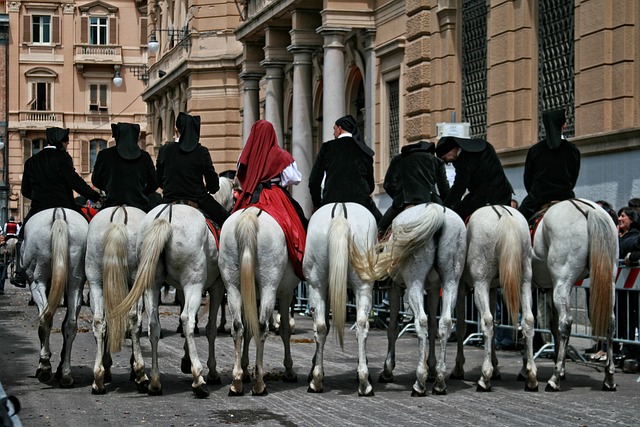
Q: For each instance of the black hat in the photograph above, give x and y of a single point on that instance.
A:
(126, 136)
(349, 124)
(56, 136)
(427, 146)
(447, 143)
(553, 121)
(189, 129)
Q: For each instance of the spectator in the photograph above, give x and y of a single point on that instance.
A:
(11, 228)
(626, 302)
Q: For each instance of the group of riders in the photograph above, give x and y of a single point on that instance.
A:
(342, 172)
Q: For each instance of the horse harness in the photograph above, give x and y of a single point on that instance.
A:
(126, 214)
(210, 225)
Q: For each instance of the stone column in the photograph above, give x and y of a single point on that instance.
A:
(302, 120)
(251, 97)
(332, 79)
(369, 87)
(274, 103)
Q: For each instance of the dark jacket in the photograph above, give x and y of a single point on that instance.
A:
(630, 244)
(50, 179)
(413, 175)
(349, 174)
(180, 174)
(551, 174)
(126, 182)
(481, 173)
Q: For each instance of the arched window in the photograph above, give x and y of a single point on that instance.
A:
(95, 145)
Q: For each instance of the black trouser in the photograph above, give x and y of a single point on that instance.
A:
(387, 218)
(213, 209)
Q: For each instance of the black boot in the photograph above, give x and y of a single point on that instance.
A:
(19, 279)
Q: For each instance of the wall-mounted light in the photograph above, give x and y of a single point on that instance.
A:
(181, 36)
(141, 71)
(117, 78)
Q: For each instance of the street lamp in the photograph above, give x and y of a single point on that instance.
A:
(181, 35)
(117, 79)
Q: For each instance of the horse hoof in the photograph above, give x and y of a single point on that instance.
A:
(481, 389)
(549, 387)
(370, 394)
(311, 390)
(153, 392)
(185, 365)
(44, 376)
(214, 380)
(606, 387)
(264, 392)
(521, 377)
(385, 380)
(438, 392)
(532, 389)
(97, 391)
(233, 393)
(457, 376)
(291, 379)
(143, 387)
(200, 392)
(415, 393)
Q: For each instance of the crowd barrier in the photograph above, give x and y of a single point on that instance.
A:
(627, 313)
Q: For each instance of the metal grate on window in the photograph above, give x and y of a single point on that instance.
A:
(555, 61)
(474, 66)
(393, 90)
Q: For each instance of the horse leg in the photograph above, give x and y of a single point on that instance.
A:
(244, 362)
(416, 301)
(386, 376)
(192, 301)
(285, 333)
(215, 299)
(481, 296)
(70, 329)
(609, 383)
(449, 295)
(529, 371)
(493, 301)
(151, 305)
(433, 300)
(565, 320)
(137, 366)
(461, 329)
(364, 297)
(237, 332)
(317, 302)
(223, 313)
(267, 304)
(99, 331)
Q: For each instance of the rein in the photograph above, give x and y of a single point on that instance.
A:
(168, 205)
(495, 209)
(126, 214)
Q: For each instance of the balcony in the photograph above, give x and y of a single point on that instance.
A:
(91, 54)
(40, 119)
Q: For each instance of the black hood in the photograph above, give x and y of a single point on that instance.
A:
(349, 124)
(553, 121)
(471, 145)
(189, 129)
(56, 136)
(422, 146)
(126, 136)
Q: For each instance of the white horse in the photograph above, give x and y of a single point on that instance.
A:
(253, 257)
(10, 260)
(175, 246)
(53, 258)
(424, 237)
(575, 239)
(337, 233)
(111, 265)
(498, 255)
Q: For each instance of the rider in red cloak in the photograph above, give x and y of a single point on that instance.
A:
(263, 170)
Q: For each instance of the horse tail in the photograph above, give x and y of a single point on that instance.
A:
(59, 267)
(510, 253)
(247, 240)
(405, 240)
(339, 239)
(115, 274)
(155, 239)
(603, 253)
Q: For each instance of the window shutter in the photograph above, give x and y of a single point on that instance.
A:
(55, 29)
(143, 31)
(113, 39)
(26, 30)
(84, 156)
(84, 30)
(26, 149)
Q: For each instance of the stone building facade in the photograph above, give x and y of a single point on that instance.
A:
(62, 58)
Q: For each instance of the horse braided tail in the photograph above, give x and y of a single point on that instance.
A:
(115, 274)
(405, 240)
(603, 253)
(510, 253)
(339, 242)
(247, 241)
(59, 267)
(155, 239)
